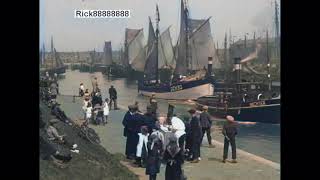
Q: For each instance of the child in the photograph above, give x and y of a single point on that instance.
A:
(142, 150)
(88, 112)
(81, 90)
(229, 131)
(173, 155)
(105, 110)
(154, 152)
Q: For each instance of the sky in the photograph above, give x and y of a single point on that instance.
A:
(70, 34)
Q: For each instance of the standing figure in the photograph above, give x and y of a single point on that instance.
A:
(178, 128)
(55, 77)
(149, 119)
(113, 97)
(173, 156)
(81, 90)
(106, 111)
(87, 94)
(155, 150)
(94, 84)
(206, 124)
(196, 134)
(142, 151)
(230, 131)
(131, 124)
(88, 112)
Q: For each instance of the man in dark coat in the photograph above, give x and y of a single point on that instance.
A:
(94, 100)
(196, 134)
(113, 97)
(188, 146)
(230, 131)
(206, 123)
(153, 104)
(149, 119)
(132, 123)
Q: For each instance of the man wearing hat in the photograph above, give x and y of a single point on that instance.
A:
(132, 124)
(150, 119)
(113, 97)
(206, 123)
(229, 131)
(196, 134)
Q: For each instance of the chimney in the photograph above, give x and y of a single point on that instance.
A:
(209, 66)
(237, 69)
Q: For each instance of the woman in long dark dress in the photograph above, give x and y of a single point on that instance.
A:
(154, 152)
(173, 155)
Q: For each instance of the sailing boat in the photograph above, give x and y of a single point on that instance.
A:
(187, 81)
(55, 65)
(101, 63)
(133, 58)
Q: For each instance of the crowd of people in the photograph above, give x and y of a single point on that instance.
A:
(152, 139)
(94, 108)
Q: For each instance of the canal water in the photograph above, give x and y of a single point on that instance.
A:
(259, 139)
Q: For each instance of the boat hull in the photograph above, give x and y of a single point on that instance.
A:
(264, 111)
(57, 70)
(179, 91)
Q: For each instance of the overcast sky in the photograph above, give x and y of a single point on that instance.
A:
(70, 34)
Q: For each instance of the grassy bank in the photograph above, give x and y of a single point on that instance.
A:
(93, 161)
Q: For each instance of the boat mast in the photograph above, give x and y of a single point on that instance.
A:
(277, 39)
(186, 16)
(157, 41)
(52, 52)
(268, 65)
(126, 55)
(225, 57)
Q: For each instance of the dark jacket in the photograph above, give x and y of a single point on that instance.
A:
(150, 121)
(205, 120)
(230, 129)
(196, 131)
(153, 160)
(174, 163)
(113, 93)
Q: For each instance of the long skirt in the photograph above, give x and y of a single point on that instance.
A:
(131, 144)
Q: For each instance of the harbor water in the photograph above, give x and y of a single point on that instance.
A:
(259, 139)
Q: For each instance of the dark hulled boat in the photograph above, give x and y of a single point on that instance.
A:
(246, 101)
(249, 105)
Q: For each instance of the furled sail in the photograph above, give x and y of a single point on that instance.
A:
(107, 53)
(202, 45)
(136, 52)
(165, 48)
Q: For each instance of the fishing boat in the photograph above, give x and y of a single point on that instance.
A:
(194, 52)
(54, 64)
(133, 57)
(246, 101)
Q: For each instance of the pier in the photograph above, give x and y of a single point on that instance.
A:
(249, 166)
